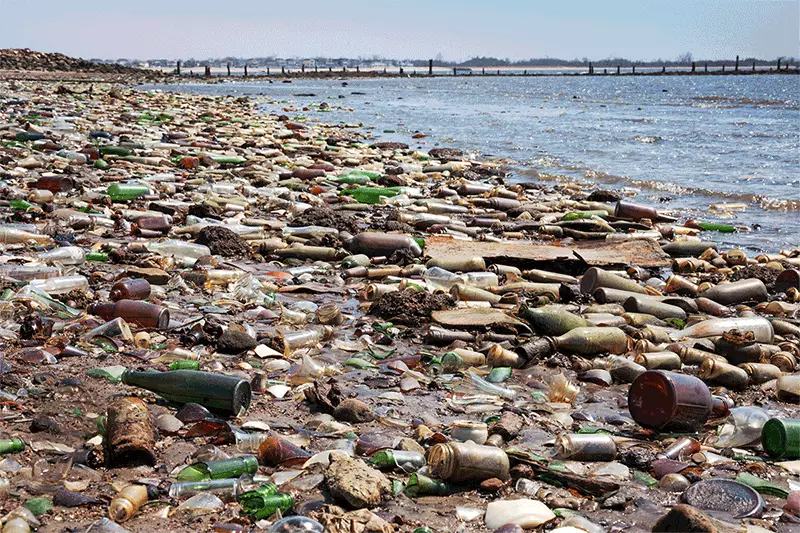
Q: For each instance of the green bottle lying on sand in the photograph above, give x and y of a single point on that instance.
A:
(226, 468)
(215, 391)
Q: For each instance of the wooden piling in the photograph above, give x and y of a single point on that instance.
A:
(483, 71)
(430, 67)
(302, 68)
(737, 64)
(633, 69)
(229, 68)
(706, 67)
(245, 71)
(178, 69)
(754, 66)
(663, 69)
(779, 63)
(283, 70)
(618, 69)
(694, 66)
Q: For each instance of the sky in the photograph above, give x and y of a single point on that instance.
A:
(398, 29)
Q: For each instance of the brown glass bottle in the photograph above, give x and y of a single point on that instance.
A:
(275, 451)
(130, 289)
(144, 314)
(667, 401)
(155, 224)
(55, 183)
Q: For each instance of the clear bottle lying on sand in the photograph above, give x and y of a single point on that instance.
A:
(761, 328)
(227, 489)
(16, 236)
(61, 284)
(65, 255)
(465, 461)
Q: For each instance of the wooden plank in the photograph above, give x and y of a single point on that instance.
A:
(641, 252)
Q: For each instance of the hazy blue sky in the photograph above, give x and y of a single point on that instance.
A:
(639, 29)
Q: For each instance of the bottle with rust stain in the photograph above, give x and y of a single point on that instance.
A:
(465, 461)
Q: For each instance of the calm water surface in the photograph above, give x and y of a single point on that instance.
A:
(682, 142)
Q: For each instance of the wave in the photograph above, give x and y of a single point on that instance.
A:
(593, 176)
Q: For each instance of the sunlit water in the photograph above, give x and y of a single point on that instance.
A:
(682, 142)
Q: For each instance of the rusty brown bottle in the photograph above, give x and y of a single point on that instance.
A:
(55, 183)
(144, 314)
(130, 289)
(129, 435)
(667, 401)
(152, 224)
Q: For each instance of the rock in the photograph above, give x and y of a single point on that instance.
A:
(353, 482)
(492, 485)
(686, 519)
(410, 445)
(673, 483)
(168, 424)
(446, 154)
(235, 342)
(155, 276)
(389, 146)
(353, 410)
(604, 196)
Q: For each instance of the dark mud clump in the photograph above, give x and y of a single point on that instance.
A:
(327, 218)
(402, 257)
(409, 307)
(77, 298)
(204, 211)
(765, 274)
(604, 196)
(235, 342)
(446, 154)
(222, 241)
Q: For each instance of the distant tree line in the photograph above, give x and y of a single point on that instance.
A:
(685, 59)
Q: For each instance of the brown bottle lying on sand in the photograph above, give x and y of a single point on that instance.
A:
(144, 314)
(130, 289)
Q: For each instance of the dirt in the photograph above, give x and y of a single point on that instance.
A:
(222, 241)
(765, 274)
(410, 307)
(327, 218)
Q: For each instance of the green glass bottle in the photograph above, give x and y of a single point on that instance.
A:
(115, 150)
(122, 192)
(101, 164)
(24, 136)
(12, 445)
(227, 468)
(710, 226)
(228, 159)
(373, 195)
(97, 256)
(419, 485)
(20, 205)
(184, 364)
(780, 438)
(580, 215)
(214, 391)
(351, 179)
(406, 460)
(264, 502)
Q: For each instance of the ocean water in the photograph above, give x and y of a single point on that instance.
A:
(682, 143)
